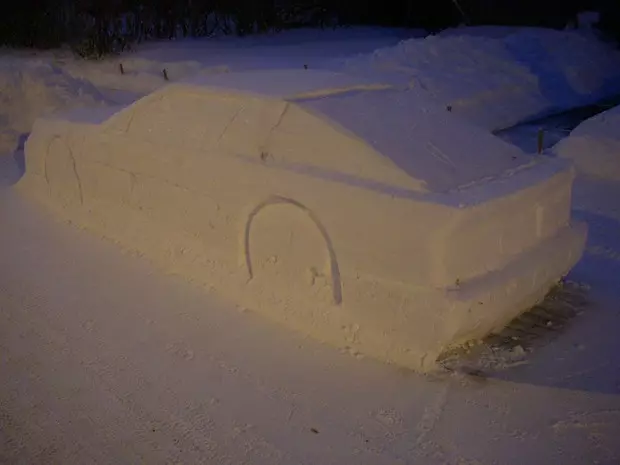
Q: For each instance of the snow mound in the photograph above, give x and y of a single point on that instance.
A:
(29, 89)
(498, 77)
(594, 145)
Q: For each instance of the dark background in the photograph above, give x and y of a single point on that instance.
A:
(97, 27)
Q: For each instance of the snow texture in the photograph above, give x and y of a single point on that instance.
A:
(594, 145)
(105, 360)
(498, 81)
(32, 88)
(288, 170)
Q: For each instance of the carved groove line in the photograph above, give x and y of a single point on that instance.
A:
(333, 262)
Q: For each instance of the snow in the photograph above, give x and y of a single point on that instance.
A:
(299, 162)
(122, 364)
(31, 88)
(373, 113)
(105, 359)
(594, 145)
(138, 75)
(492, 76)
(184, 58)
(498, 77)
(290, 49)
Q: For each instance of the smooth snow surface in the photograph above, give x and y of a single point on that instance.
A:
(594, 145)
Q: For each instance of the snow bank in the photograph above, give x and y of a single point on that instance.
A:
(498, 77)
(334, 205)
(594, 145)
(32, 88)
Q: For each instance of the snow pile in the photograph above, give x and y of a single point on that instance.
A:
(577, 65)
(594, 145)
(31, 88)
(498, 78)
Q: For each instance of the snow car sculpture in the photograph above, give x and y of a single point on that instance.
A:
(353, 212)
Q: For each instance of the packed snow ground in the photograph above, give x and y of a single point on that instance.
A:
(104, 360)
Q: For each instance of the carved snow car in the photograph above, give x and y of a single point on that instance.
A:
(361, 215)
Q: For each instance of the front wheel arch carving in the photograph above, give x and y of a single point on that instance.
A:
(278, 200)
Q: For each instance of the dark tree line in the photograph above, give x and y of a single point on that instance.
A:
(98, 27)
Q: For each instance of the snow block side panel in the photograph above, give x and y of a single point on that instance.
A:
(490, 235)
